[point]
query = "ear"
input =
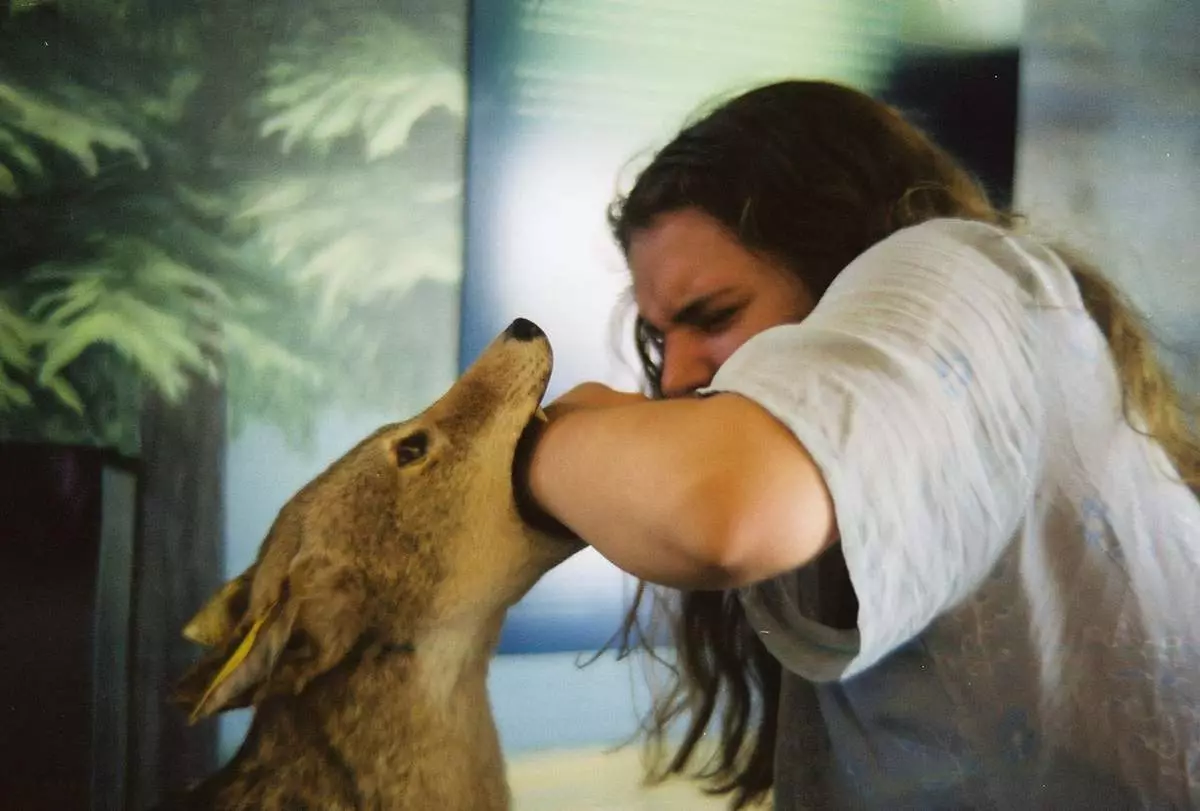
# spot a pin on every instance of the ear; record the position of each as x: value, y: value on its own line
x: 219, y: 617
x: 307, y: 630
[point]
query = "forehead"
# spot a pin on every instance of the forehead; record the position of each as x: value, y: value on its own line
x: 684, y: 255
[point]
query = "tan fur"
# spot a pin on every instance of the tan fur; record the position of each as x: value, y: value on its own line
x: 362, y: 633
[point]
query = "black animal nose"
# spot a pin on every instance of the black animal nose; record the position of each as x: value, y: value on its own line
x: 522, y: 329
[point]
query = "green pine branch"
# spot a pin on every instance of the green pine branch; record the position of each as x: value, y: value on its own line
x: 352, y: 237
x: 373, y: 83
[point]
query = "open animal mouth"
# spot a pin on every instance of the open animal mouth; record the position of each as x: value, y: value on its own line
x: 527, y: 509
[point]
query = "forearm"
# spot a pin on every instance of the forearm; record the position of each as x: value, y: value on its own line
x: 633, y: 483
x: 696, y: 494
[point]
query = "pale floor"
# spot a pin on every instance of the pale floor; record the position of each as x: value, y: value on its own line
x: 597, y: 780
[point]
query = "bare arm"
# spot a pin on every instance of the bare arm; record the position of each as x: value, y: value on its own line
x: 709, y: 493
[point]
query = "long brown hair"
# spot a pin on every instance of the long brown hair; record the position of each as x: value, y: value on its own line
x: 812, y: 174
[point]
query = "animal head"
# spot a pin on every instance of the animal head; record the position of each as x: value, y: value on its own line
x: 414, y: 529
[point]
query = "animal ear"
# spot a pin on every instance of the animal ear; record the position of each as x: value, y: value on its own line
x: 310, y: 627
x: 219, y: 617
x: 228, y: 677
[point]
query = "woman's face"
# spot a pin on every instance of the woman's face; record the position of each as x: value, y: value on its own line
x: 705, y: 295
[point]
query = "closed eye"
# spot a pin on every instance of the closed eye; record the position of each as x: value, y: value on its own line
x: 716, y: 320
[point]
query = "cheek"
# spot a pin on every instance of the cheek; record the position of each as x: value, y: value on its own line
x: 789, y: 304
x: 720, y: 347
x: 779, y: 311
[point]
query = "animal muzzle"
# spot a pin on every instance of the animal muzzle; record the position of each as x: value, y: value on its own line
x: 522, y: 329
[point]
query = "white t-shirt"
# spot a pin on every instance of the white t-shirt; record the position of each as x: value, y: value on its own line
x: 1027, y: 565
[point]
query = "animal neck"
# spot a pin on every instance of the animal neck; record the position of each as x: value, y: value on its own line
x: 406, y: 726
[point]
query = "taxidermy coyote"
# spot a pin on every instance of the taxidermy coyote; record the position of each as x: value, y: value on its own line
x: 361, y: 635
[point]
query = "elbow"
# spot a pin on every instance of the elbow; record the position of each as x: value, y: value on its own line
x: 725, y: 537
x: 730, y: 569
x: 749, y: 531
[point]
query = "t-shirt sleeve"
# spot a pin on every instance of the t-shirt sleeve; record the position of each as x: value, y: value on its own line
x: 914, y: 385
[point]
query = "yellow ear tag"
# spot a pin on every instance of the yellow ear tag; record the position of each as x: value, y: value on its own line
x: 238, y: 656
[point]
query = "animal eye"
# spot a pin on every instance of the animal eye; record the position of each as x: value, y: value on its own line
x: 412, y: 447
x: 297, y: 642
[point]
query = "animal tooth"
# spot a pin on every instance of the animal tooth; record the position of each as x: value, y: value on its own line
x: 540, y: 414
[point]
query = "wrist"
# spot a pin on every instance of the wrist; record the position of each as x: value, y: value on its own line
x: 529, y: 507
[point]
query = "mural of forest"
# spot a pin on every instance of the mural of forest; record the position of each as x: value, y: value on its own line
x: 218, y: 220
x: 255, y: 194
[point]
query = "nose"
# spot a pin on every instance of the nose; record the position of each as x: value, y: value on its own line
x: 686, y: 365
x: 522, y: 329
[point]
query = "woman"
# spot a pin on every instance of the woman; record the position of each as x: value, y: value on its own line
x: 922, y: 487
